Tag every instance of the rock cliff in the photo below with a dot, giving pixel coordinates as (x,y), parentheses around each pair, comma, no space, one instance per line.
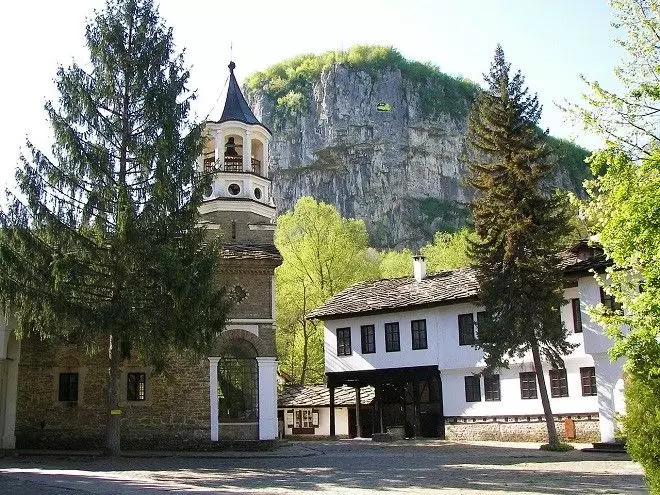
(379,137)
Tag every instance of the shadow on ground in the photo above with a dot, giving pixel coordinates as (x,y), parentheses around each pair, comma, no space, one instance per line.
(344,467)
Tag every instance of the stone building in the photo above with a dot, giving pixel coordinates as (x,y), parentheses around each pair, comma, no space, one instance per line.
(55,396)
(411,339)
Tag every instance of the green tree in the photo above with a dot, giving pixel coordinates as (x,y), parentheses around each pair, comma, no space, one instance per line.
(519,229)
(101,245)
(323,254)
(623,209)
(394,264)
(447,251)
(630,118)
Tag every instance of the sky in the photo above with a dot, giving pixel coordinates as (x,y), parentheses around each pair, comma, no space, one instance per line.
(551,42)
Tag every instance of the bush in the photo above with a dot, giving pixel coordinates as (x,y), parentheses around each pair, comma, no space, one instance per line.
(642,426)
(559,447)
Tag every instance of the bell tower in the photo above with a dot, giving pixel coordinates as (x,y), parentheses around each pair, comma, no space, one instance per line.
(238,205)
(236,154)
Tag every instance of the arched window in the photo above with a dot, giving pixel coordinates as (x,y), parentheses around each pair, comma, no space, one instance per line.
(238,383)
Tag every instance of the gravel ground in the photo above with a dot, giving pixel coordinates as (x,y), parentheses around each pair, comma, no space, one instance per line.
(354,467)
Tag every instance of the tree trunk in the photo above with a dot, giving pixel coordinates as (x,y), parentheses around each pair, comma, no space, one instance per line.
(553,439)
(303,373)
(112,437)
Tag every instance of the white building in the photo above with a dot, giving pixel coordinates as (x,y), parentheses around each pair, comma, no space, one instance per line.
(411,339)
(305,410)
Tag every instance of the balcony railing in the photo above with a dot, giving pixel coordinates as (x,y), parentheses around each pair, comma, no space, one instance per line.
(230,164)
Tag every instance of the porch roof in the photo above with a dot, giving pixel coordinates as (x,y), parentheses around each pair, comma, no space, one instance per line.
(319,396)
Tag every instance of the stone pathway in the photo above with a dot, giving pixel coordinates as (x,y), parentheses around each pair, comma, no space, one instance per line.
(354,467)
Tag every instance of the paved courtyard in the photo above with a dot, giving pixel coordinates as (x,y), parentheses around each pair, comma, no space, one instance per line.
(353,467)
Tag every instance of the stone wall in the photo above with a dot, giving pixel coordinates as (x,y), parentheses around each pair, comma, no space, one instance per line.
(175,412)
(255,278)
(174,415)
(522,428)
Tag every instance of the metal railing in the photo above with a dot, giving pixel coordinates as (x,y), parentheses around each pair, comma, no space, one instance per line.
(230,164)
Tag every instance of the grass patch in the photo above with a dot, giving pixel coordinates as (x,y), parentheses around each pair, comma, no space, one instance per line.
(557,447)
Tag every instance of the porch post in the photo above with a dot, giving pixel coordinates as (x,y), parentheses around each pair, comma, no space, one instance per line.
(374,411)
(332,411)
(441,409)
(415,408)
(267,398)
(607,374)
(213,397)
(358,424)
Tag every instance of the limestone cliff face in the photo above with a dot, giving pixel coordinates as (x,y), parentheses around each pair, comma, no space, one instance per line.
(400,170)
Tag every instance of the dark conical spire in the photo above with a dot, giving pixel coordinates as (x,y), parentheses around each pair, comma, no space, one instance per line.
(236,108)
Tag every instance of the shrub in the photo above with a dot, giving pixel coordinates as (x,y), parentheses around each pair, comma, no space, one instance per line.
(642,426)
(559,447)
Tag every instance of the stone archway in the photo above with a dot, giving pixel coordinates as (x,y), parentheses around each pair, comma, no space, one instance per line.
(238,351)
(235,334)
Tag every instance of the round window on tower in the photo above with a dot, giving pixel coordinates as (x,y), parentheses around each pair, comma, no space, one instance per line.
(208,191)
(234,189)
(257,193)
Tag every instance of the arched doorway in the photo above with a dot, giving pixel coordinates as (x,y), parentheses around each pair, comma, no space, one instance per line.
(238,383)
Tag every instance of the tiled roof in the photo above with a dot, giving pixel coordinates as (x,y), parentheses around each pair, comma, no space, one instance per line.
(236,108)
(401,293)
(582,258)
(436,289)
(250,251)
(319,396)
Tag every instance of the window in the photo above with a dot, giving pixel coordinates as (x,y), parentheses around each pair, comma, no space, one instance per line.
(68,387)
(418,328)
(466,329)
(481,317)
(472,389)
(588,379)
(238,383)
(492,387)
(368,339)
(609,302)
(304,418)
(392,341)
(528,385)
(558,383)
(136,386)
(577,315)
(344,341)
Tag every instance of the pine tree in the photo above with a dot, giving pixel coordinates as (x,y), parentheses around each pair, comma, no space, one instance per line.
(520,228)
(101,246)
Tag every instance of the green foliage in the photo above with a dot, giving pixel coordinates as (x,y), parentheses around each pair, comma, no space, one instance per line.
(642,426)
(623,209)
(323,254)
(439,92)
(629,119)
(101,244)
(572,158)
(557,447)
(442,214)
(447,250)
(519,229)
(395,264)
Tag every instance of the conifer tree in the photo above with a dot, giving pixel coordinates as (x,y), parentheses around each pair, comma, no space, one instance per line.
(520,228)
(101,247)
